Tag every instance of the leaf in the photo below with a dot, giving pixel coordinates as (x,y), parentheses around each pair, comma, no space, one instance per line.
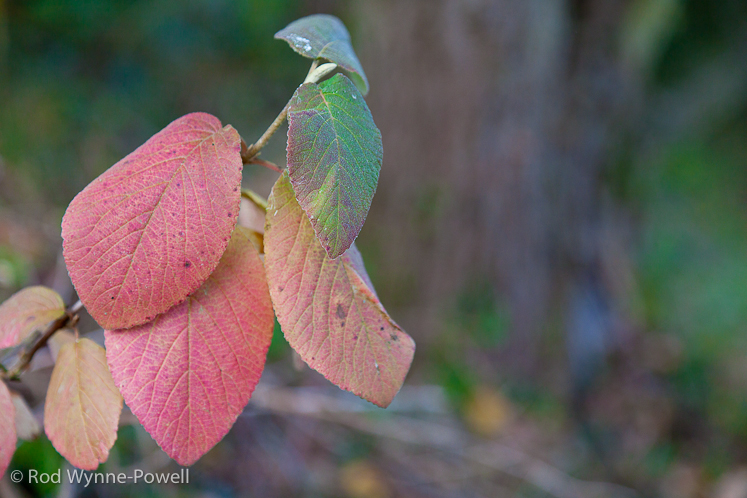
(8,437)
(328,309)
(325,36)
(252,217)
(27,427)
(58,340)
(151,229)
(81,413)
(27,310)
(334,158)
(188,374)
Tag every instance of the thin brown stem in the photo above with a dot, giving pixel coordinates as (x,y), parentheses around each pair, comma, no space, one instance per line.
(267,164)
(249,152)
(69,319)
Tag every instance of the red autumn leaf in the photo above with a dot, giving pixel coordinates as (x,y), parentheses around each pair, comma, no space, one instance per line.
(328,309)
(81,413)
(27,310)
(151,229)
(188,374)
(7,428)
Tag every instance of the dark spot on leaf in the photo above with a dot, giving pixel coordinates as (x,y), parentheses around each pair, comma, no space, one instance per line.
(229,215)
(178,184)
(394,337)
(112,297)
(342,323)
(382,328)
(280,289)
(341,312)
(187,264)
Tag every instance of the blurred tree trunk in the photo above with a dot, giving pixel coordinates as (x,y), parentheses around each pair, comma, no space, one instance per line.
(496,117)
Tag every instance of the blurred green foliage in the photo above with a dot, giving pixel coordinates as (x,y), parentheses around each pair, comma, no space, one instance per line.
(38,455)
(85,82)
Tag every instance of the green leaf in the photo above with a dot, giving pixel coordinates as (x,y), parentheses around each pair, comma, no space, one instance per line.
(325,36)
(334,158)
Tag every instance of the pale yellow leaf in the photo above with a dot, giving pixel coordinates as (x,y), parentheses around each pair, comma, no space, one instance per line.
(81,415)
(27,310)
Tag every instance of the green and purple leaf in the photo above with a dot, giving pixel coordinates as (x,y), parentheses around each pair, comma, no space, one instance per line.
(328,309)
(324,36)
(334,159)
(151,229)
(8,437)
(188,374)
(27,310)
(81,413)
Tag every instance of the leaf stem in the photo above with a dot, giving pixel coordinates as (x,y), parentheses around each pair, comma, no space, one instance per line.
(250,152)
(267,164)
(255,198)
(69,319)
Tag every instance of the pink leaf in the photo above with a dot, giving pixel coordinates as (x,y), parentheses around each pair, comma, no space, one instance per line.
(328,309)
(7,428)
(151,229)
(27,310)
(188,374)
(81,413)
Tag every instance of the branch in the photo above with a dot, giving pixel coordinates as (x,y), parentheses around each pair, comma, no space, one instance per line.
(315,74)
(248,153)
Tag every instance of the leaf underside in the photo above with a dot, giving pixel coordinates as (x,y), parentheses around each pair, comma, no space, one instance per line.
(27,428)
(81,413)
(188,374)
(27,310)
(328,309)
(7,428)
(151,229)
(324,36)
(334,159)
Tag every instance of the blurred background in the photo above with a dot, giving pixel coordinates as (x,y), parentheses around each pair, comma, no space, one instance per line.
(560,224)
